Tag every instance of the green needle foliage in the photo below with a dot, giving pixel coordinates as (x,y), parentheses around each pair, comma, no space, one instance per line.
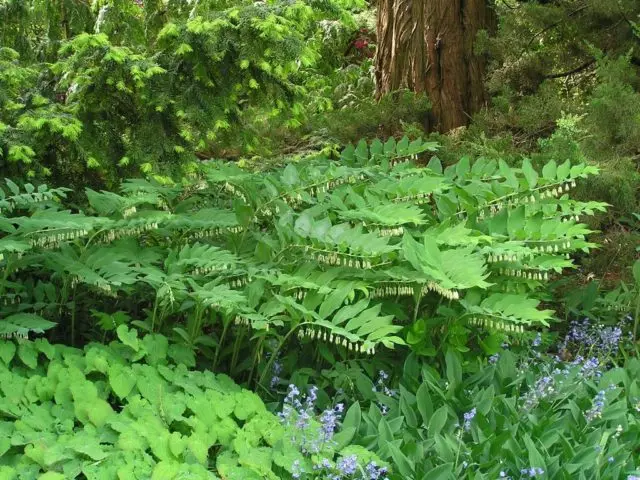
(100,91)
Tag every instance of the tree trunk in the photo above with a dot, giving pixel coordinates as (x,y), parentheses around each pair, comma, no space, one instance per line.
(427,46)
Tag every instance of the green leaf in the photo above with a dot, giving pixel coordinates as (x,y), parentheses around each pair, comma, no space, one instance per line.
(165,470)
(43,345)
(425,405)
(441,472)
(384,432)
(332,302)
(563,170)
(156,347)
(12,186)
(128,337)
(463,167)
(536,460)
(508,174)
(454,368)
(344,437)
(122,380)
(401,462)
(455,268)
(28,354)
(529,173)
(7,351)
(290,175)
(21,324)
(8,473)
(549,171)
(485,400)
(435,165)
(177,444)
(353,417)
(51,476)
(636,272)
(182,354)
(99,412)
(438,420)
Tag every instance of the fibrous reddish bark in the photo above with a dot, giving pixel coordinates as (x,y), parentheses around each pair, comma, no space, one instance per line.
(427,46)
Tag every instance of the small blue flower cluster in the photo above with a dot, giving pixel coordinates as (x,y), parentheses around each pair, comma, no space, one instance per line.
(532,472)
(589,367)
(599,339)
(596,410)
(276,371)
(578,370)
(381,385)
(544,387)
(298,411)
(468,417)
(344,469)
(538,340)
(313,435)
(374,472)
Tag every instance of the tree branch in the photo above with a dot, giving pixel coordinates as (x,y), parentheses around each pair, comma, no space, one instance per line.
(578,69)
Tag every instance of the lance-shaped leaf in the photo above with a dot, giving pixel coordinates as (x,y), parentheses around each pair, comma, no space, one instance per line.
(457,268)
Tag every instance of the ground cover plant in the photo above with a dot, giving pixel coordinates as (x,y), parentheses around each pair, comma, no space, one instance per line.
(130,410)
(319,240)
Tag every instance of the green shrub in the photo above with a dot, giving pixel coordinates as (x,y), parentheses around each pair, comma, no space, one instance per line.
(353,255)
(130,89)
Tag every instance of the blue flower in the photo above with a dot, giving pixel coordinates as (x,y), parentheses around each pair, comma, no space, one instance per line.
(468,417)
(532,472)
(276,370)
(329,421)
(598,405)
(538,340)
(292,394)
(381,387)
(296,469)
(312,397)
(542,388)
(348,465)
(374,472)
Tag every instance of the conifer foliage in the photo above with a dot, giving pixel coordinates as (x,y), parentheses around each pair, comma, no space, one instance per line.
(116,88)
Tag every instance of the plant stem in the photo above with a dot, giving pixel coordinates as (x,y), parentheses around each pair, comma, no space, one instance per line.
(225,328)
(236,350)
(284,339)
(73,316)
(256,354)
(155,311)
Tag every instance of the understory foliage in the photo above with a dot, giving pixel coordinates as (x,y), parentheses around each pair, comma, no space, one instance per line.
(520,416)
(373,250)
(132,410)
(405,310)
